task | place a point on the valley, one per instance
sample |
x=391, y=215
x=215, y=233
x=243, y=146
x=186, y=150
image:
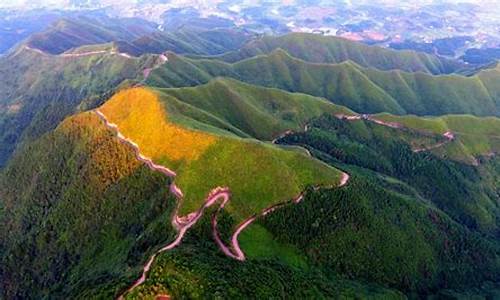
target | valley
x=140, y=161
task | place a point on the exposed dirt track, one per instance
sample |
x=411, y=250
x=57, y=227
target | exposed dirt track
x=162, y=59
x=448, y=135
x=81, y=54
x=183, y=223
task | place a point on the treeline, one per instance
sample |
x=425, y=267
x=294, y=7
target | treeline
x=460, y=190
x=198, y=269
x=87, y=217
x=368, y=232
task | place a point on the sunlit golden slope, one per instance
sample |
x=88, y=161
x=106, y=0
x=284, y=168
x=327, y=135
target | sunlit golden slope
x=258, y=174
x=141, y=117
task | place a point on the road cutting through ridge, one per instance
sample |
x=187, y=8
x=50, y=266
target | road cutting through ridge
x=183, y=223
x=80, y=54
x=162, y=58
x=449, y=136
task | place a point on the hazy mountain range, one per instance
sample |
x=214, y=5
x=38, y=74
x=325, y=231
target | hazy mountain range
x=201, y=157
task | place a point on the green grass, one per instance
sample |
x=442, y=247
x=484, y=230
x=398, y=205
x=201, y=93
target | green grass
x=475, y=136
x=321, y=49
x=86, y=217
x=259, y=243
x=364, y=90
x=258, y=174
x=263, y=175
x=258, y=112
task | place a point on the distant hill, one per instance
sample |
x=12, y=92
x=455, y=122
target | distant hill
x=18, y=26
x=364, y=90
x=300, y=166
x=39, y=91
x=324, y=49
x=69, y=33
x=192, y=41
x=135, y=36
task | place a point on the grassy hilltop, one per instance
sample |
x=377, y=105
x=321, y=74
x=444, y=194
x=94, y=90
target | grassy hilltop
x=319, y=49
x=364, y=90
x=82, y=215
x=263, y=176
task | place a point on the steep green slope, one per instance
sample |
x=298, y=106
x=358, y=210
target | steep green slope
x=196, y=270
x=247, y=110
x=78, y=31
x=372, y=231
x=326, y=49
x=467, y=193
x=360, y=89
x=38, y=90
x=79, y=214
x=264, y=176
x=135, y=36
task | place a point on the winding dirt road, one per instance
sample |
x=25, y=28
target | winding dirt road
x=80, y=54
x=161, y=59
x=448, y=135
x=183, y=223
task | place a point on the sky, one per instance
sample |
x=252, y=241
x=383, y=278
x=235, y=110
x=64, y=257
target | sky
x=66, y=3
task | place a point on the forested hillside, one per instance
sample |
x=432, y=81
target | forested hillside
x=363, y=90
x=318, y=49
x=135, y=36
x=87, y=210
x=40, y=90
x=297, y=166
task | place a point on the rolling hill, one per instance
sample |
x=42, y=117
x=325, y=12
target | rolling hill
x=247, y=110
x=323, y=49
x=363, y=90
x=134, y=36
x=204, y=160
x=298, y=166
x=40, y=90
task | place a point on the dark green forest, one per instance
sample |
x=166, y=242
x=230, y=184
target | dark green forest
x=81, y=215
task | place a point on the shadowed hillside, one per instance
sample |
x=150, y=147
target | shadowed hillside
x=134, y=36
x=320, y=49
x=360, y=89
x=290, y=167
x=40, y=90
